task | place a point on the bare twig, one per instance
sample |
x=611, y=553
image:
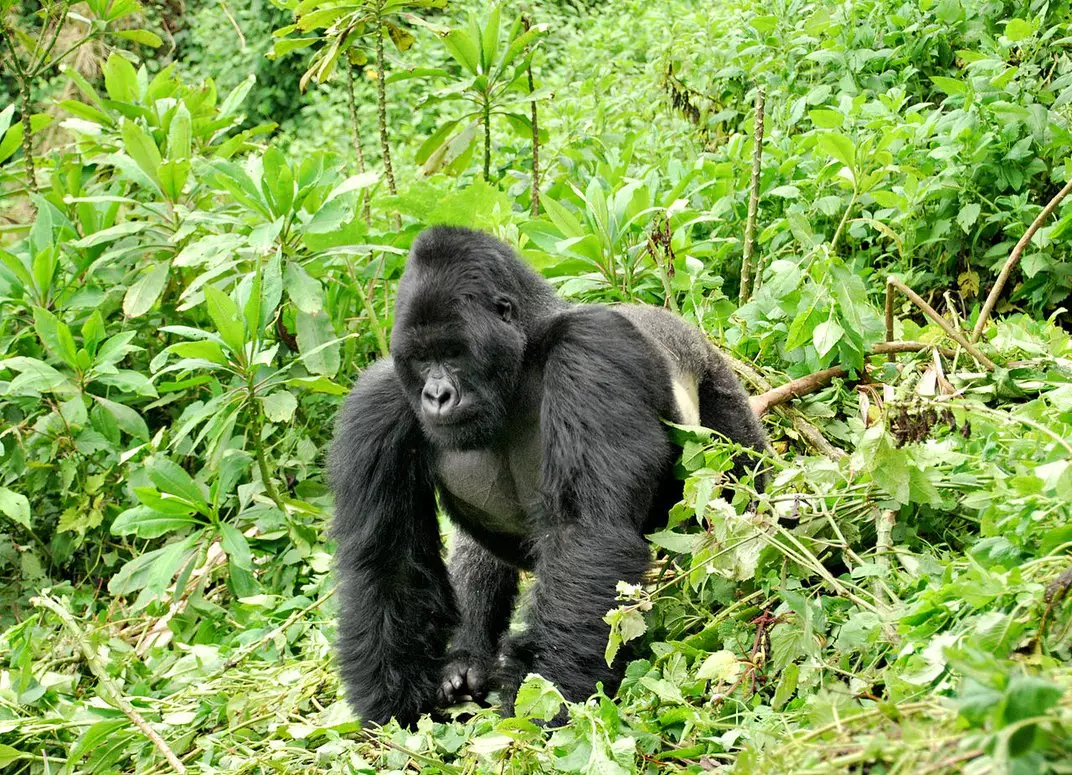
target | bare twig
x=803, y=426
x=761, y=404
x=105, y=681
x=753, y=202
x=889, y=321
x=1014, y=259
x=929, y=311
x=797, y=388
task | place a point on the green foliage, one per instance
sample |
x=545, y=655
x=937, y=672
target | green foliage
x=192, y=294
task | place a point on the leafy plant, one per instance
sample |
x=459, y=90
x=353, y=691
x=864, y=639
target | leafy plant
x=495, y=80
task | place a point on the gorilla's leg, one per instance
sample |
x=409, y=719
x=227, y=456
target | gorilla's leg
x=724, y=408
x=396, y=604
x=485, y=588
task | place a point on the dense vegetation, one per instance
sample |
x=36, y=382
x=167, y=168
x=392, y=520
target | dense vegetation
x=205, y=207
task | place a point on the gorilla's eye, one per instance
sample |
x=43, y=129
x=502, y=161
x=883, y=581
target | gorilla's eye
x=450, y=351
x=504, y=309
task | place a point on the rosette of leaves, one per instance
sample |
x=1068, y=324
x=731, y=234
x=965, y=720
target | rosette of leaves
x=493, y=80
x=342, y=28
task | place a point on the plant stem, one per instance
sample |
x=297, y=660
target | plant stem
x=753, y=202
x=535, y=145
x=22, y=76
x=487, y=139
x=1014, y=259
x=105, y=681
x=381, y=102
x=27, y=137
x=366, y=210
x=258, y=447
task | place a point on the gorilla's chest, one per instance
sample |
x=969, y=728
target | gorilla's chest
x=495, y=488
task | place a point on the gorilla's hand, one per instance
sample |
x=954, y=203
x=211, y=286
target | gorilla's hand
x=466, y=675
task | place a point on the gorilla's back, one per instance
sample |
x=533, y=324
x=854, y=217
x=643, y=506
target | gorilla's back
x=688, y=354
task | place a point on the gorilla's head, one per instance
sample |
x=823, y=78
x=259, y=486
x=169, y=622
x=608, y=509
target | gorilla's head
x=460, y=333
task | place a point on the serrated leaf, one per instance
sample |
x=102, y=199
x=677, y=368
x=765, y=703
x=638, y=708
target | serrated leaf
x=141, y=147
x=1019, y=29
x=968, y=215
x=279, y=406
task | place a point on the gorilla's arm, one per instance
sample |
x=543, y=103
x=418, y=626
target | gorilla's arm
x=605, y=450
x=396, y=605
x=485, y=588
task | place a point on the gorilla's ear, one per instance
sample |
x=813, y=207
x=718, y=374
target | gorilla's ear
x=504, y=307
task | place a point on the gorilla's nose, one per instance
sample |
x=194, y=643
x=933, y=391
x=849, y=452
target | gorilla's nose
x=439, y=398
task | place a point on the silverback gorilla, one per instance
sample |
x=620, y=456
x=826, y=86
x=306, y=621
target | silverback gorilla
x=538, y=424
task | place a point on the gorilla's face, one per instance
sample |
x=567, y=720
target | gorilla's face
x=459, y=358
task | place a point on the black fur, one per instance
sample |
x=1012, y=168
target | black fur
x=539, y=425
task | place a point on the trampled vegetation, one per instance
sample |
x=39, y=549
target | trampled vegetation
x=204, y=211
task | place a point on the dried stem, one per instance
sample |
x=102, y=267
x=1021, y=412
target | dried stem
x=105, y=681
x=359, y=152
x=945, y=325
x=1014, y=259
x=381, y=104
x=806, y=385
x=889, y=320
x=535, y=143
x=753, y=202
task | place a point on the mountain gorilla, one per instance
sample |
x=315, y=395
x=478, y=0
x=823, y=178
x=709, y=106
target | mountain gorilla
x=538, y=424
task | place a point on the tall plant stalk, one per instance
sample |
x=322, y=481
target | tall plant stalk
x=359, y=152
x=487, y=140
x=381, y=101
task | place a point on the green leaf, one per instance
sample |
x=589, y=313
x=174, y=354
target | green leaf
x=179, y=133
x=142, y=295
x=235, y=546
x=839, y=146
x=825, y=118
x=489, y=39
x=315, y=331
x=279, y=406
x=950, y=86
x=126, y=418
x=143, y=37
x=304, y=291
x=721, y=667
x=120, y=79
x=1019, y=29
x=9, y=755
x=142, y=149
x=224, y=313
x=968, y=215
x=464, y=49
x=55, y=335
x=826, y=336
x=5, y=118
x=145, y=522
x=35, y=376
x=170, y=477
x=15, y=507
